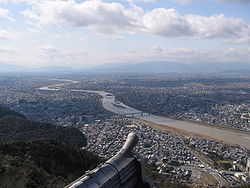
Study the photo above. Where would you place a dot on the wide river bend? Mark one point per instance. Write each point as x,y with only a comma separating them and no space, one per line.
109,103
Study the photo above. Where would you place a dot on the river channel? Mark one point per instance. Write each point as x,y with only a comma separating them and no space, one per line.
109,103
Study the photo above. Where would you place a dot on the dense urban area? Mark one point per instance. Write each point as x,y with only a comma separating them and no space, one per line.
217,100
214,99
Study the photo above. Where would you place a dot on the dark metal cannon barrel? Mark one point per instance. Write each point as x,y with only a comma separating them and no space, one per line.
125,170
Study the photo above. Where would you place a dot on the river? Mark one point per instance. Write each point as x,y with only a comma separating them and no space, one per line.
109,103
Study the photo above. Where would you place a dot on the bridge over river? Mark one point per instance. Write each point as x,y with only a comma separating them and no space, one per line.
109,103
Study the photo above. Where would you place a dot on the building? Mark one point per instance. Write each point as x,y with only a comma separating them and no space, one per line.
248,167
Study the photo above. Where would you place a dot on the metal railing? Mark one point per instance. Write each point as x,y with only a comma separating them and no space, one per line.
125,170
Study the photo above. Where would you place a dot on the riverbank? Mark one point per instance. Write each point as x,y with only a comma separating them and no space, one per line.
227,136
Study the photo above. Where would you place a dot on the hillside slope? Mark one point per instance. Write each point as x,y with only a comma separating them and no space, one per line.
36,154
7,112
14,127
42,163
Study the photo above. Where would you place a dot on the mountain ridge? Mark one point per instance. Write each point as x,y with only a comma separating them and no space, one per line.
163,66
42,163
37,154
15,127
141,67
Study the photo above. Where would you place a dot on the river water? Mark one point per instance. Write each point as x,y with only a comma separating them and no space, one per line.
109,103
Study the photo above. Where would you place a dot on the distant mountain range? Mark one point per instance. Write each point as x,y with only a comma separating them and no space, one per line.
11,68
14,68
144,67
161,66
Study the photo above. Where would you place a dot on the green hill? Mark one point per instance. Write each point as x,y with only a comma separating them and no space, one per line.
14,127
42,163
36,154
7,112
18,129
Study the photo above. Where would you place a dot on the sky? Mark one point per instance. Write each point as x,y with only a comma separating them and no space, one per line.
77,33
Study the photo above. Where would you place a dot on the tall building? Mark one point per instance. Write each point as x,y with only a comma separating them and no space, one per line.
80,118
248,167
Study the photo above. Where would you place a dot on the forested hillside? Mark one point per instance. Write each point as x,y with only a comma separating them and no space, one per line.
14,127
36,154
7,112
42,163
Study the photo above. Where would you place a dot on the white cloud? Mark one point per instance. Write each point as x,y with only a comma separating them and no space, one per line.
33,30
174,54
166,22
245,39
143,1
235,1
47,48
186,2
52,53
235,55
111,20
20,1
183,2
94,14
169,23
190,55
109,36
48,51
4,13
8,34
83,38
181,55
7,49
218,26
60,36
156,49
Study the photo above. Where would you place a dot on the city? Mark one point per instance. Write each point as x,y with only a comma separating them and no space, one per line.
179,157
